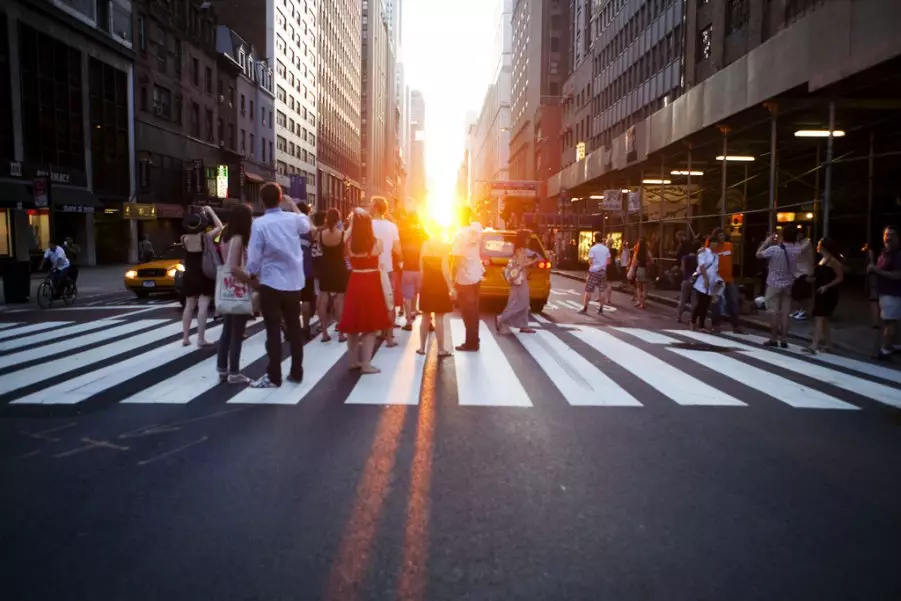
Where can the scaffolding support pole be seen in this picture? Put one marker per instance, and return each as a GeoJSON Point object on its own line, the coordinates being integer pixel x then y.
{"type": "Point", "coordinates": [774, 124]}
{"type": "Point", "coordinates": [660, 213]}
{"type": "Point", "coordinates": [871, 171]}
{"type": "Point", "coordinates": [691, 230]}
{"type": "Point", "coordinates": [725, 132]}
{"type": "Point", "coordinates": [827, 190]}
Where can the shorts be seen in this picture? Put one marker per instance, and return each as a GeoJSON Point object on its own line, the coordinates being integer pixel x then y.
{"type": "Point", "coordinates": [410, 284]}
{"type": "Point", "coordinates": [308, 294]}
{"type": "Point", "coordinates": [778, 300]}
{"type": "Point", "coordinates": [890, 307]}
{"type": "Point", "coordinates": [596, 279]}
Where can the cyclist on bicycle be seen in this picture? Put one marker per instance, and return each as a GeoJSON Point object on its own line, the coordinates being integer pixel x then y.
{"type": "Point", "coordinates": [59, 266]}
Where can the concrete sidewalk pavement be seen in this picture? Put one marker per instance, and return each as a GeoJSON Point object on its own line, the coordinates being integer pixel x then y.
{"type": "Point", "coordinates": [91, 280]}
{"type": "Point", "coordinates": [850, 327]}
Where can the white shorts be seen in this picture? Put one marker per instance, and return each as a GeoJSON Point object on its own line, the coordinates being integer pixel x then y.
{"type": "Point", "coordinates": [890, 307]}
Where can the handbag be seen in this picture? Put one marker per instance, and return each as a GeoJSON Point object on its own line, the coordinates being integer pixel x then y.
{"type": "Point", "coordinates": [513, 273]}
{"type": "Point", "coordinates": [387, 289]}
{"type": "Point", "coordinates": [233, 297]}
{"type": "Point", "coordinates": [212, 260]}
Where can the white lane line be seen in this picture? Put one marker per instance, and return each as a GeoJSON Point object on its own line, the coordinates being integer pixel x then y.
{"type": "Point", "coordinates": [540, 319]}
{"type": "Point", "coordinates": [781, 389]}
{"type": "Point", "coordinates": [572, 304]}
{"type": "Point", "coordinates": [647, 335]}
{"type": "Point", "coordinates": [876, 371]}
{"type": "Point", "coordinates": [45, 371]}
{"type": "Point", "coordinates": [485, 378]}
{"type": "Point", "coordinates": [87, 385]}
{"type": "Point", "coordinates": [31, 328]}
{"type": "Point", "coordinates": [872, 390]}
{"type": "Point", "coordinates": [400, 382]}
{"type": "Point", "coordinates": [187, 385]}
{"type": "Point", "coordinates": [558, 292]}
{"type": "Point", "coordinates": [3, 326]}
{"type": "Point", "coordinates": [550, 306]}
{"type": "Point", "coordinates": [677, 385]}
{"type": "Point", "coordinates": [75, 328]}
{"type": "Point", "coordinates": [581, 383]}
{"type": "Point", "coordinates": [120, 307]}
{"type": "Point", "coordinates": [117, 329]}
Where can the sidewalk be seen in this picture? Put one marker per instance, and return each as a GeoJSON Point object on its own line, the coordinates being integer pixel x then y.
{"type": "Point", "coordinates": [91, 280]}
{"type": "Point", "coordinates": [850, 327]}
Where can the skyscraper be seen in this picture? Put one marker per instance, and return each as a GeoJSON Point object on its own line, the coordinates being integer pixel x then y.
{"type": "Point", "coordinates": [378, 122]}
{"type": "Point", "coordinates": [340, 110]}
{"type": "Point", "coordinates": [417, 170]}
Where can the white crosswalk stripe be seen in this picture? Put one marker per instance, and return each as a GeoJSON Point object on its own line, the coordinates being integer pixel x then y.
{"type": "Point", "coordinates": [128, 361]}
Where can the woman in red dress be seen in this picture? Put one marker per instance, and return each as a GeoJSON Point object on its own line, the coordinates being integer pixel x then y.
{"type": "Point", "coordinates": [364, 312]}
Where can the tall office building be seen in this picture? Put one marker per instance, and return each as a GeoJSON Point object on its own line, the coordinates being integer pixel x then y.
{"type": "Point", "coordinates": [417, 171]}
{"type": "Point", "coordinates": [340, 97]}
{"type": "Point", "coordinates": [286, 32]}
{"type": "Point", "coordinates": [378, 121]}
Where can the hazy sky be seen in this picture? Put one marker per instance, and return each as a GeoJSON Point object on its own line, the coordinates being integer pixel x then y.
{"type": "Point", "coordinates": [448, 54]}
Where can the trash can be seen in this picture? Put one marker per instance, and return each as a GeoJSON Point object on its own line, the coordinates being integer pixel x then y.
{"type": "Point", "coordinates": [16, 281]}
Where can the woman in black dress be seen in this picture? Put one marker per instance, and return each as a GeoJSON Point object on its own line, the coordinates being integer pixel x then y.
{"type": "Point", "coordinates": [435, 296]}
{"type": "Point", "coordinates": [333, 273]}
{"type": "Point", "coordinates": [198, 288]}
{"type": "Point", "coordinates": [828, 274]}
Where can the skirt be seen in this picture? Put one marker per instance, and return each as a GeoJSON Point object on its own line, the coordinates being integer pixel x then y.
{"type": "Point", "coordinates": [364, 305]}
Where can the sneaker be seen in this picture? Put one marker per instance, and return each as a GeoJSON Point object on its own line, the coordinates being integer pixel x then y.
{"type": "Point", "coordinates": [238, 379]}
{"type": "Point", "coordinates": [600, 309]}
{"type": "Point", "coordinates": [264, 382]}
{"type": "Point", "coordinates": [783, 344]}
{"type": "Point", "coordinates": [771, 343]}
{"type": "Point", "coordinates": [583, 311]}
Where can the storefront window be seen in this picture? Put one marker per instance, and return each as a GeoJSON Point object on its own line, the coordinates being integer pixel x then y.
{"type": "Point", "coordinates": [4, 233]}
{"type": "Point", "coordinates": [39, 220]}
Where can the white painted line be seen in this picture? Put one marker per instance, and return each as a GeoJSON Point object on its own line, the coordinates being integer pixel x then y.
{"type": "Point", "coordinates": [400, 382]}
{"type": "Point", "coordinates": [550, 306]}
{"type": "Point", "coordinates": [677, 385]}
{"type": "Point", "coordinates": [540, 319]}
{"type": "Point", "coordinates": [559, 292]}
{"type": "Point", "coordinates": [647, 335]}
{"type": "Point", "coordinates": [609, 309]}
{"type": "Point", "coordinates": [872, 390]}
{"type": "Point", "coordinates": [65, 364]}
{"type": "Point", "coordinates": [32, 328]}
{"type": "Point", "coordinates": [87, 385]}
{"type": "Point", "coordinates": [581, 383]}
{"type": "Point", "coordinates": [3, 326]}
{"type": "Point", "coordinates": [485, 378]}
{"type": "Point", "coordinates": [187, 385]}
{"type": "Point", "coordinates": [572, 304]}
{"type": "Point", "coordinates": [120, 307]}
{"type": "Point", "coordinates": [876, 371]}
{"type": "Point", "coordinates": [75, 328]}
{"type": "Point", "coordinates": [781, 389]}
{"type": "Point", "coordinates": [117, 329]}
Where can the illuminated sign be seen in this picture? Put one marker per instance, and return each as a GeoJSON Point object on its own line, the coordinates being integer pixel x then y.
{"type": "Point", "coordinates": [580, 151]}
{"type": "Point", "coordinates": [222, 181]}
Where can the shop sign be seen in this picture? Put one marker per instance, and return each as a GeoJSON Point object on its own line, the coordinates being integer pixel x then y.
{"type": "Point", "coordinates": [133, 210]}
{"type": "Point", "coordinates": [40, 192]}
{"type": "Point", "coordinates": [74, 209]}
{"type": "Point", "coordinates": [53, 175]}
{"type": "Point", "coordinates": [170, 211]}
{"type": "Point", "coordinates": [222, 181]}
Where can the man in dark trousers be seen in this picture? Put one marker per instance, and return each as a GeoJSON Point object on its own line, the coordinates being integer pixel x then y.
{"type": "Point", "coordinates": [468, 272]}
{"type": "Point", "coordinates": [275, 260]}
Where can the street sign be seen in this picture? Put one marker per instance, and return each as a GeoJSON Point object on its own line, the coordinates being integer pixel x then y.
{"type": "Point", "coordinates": [523, 189]}
{"type": "Point", "coordinates": [40, 192]}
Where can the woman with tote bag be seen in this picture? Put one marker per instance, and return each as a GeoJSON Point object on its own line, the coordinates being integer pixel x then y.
{"type": "Point", "coordinates": [233, 295]}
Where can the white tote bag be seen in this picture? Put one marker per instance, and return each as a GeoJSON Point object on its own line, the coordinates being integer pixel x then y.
{"type": "Point", "coordinates": [387, 289]}
{"type": "Point", "coordinates": [233, 297]}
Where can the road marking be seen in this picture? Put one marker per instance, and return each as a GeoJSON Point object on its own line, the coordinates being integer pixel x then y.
{"type": "Point", "coordinates": [32, 328]}
{"type": "Point", "coordinates": [781, 389]}
{"type": "Point", "coordinates": [647, 335]}
{"type": "Point", "coordinates": [80, 342]}
{"type": "Point", "coordinates": [187, 385]}
{"type": "Point", "coordinates": [400, 382]}
{"type": "Point", "coordinates": [872, 390]}
{"type": "Point", "coordinates": [541, 319]}
{"type": "Point", "coordinates": [670, 381]}
{"type": "Point", "coordinates": [3, 326]}
{"type": "Point", "coordinates": [45, 371]}
{"type": "Point", "coordinates": [572, 304]}
{"type": "Point", "coordinates": [485, 378]}
{"type": "Point", "coordinates": [122, 307]}
{"type": "Point", "coordinates": [173, 451]}
{"type": "Point", "coordinates": [581, 383]}
{"type": "Point", "coordinates": [89, 445]}
{"type": "Point", "coordinates": [74, 328]}
{"type": "Point", "coordinates": [87, 385]}
{"type": "Point", "coordinates": [876, 371]}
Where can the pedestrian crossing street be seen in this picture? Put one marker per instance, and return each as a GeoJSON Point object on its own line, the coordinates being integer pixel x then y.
{"type": "Point", "coordinates": [142, 361]}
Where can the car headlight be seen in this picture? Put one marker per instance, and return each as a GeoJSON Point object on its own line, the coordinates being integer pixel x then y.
{"type": "Point", "coordinates": [178, 267]}
{"type": "Point", "coordinates": [131, 274]}
{"type": "Point", "coordinates": [171, 273]}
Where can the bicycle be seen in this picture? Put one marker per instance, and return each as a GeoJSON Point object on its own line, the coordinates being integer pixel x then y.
{"type": "Point", "coordinates": [45, 296]}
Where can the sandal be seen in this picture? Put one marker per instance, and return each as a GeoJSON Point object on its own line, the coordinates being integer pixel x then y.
{"type": "Point", "coordinates": [369, 369]}
{"type": "Point", "coordinates": [326, 337]}
{"type": "Point", "coordinates": [526, 331]}
{"type": "Point", "coordinates": [420, 351]}
{"type": "Point", "coordinates": [442, 354]}
{"type": "Point", "coordinates": [391, 344]}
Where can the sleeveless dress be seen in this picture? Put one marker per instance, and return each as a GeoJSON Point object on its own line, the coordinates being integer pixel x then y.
{"type": "Point", "coordinates": [364, 302]}
{"type": "Point", "coordinates": [434, 297]}
{"type": "Point", "coordinates": [333, 270]}
{"type": "Point", "coordinates": [195, 281]}
{"type": "Point", "coordinates": [824, 304]}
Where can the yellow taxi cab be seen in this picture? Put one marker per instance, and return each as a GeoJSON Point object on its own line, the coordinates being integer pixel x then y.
{"type": "Point", "coordinates": [157, 275]}
{"type": "Point", "coordinates": [496, 251]}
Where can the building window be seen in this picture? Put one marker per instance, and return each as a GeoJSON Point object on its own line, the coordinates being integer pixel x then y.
{"type": "Point", "coordinates": [243, 111]}
{"type": "Point", "coordinates": [122, 20]}
{"type": "Point", "coordinates": [176, 112]}
{"type": "Point", "coordinates": [143, 98]}
{"type": "Point", "coordinates": [263, 148]}
{"type": "Point", "coordinates": [85, 7]}
{"type": "Point", "coordinates": [705, 42]}
{"type": "Point", "coordinates": [110, 168]}
{"type": "Point", "coordinates": [208, 78]}
{"type": "Point", "coordinates": [162, 102]}
{"type": "Point", "coordinates": [243, 142]}
{"type": "Point", "coordinates": [253, 145]}
{"type": "Point", "coordinates": [195, 71]}
{"type": "Point", "coordinates": [209, 125]}
{"type": "Point", "coordinates": [736, 15]}
{"type": "Point", "coordinates": [251, 109]}
{"type": "Point", "coordinates": [195, 120]}
{"type": "Point", "coordinates": [142, 42]}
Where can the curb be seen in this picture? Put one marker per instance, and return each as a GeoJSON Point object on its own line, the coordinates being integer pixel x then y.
{"type": "Point", "coordinates": [747, 323]}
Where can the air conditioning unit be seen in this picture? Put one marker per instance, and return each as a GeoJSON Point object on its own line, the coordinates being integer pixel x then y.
{"type": "Point", "coordinates": [157, 109]}
{"type": "Point", "coordinates": [221, 98]}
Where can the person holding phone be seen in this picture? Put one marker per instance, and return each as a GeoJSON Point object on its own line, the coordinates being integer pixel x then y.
{"type": "Point", "coordinates": [781, 254]}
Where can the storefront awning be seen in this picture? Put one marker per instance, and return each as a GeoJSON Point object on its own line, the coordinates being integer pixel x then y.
{"type": "Point", "coordinates": [67, 199]}
{"type": "Point", "coordinates": [14, 192]}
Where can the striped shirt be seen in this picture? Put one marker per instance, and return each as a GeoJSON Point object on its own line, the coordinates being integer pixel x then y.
{"type": "Point", "coordinates": [783, 260]}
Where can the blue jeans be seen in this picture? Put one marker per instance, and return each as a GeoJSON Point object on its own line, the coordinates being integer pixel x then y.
{"type": "Point", "coordinates": [57, 277]}
{"type": "Point", "coordinates": [728, 303]}
{"type": "Point", "coordinates": [230, 341]}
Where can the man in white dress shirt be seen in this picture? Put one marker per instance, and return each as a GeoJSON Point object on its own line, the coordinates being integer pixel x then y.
{"type": "Point", "coordinates": [275, 259]}
{"type": "Point", "coordinates": [387, 233]}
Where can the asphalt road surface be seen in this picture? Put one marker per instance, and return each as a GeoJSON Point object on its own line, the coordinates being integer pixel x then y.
{"type": "Point", "coordinates": [606, 457]}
